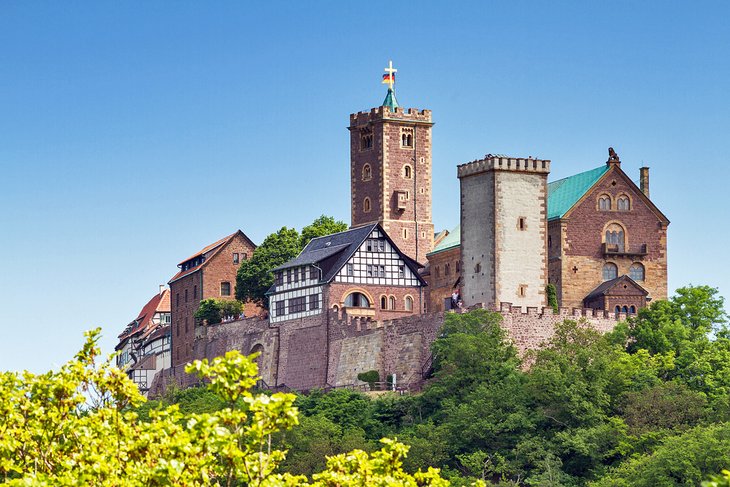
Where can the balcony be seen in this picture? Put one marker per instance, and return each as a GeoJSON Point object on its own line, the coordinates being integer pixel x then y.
{"type": "Point", "coordinates": [617, 250]}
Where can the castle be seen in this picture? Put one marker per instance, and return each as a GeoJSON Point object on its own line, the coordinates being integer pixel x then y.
{"type": "Point", "coordinates": [373, 297]}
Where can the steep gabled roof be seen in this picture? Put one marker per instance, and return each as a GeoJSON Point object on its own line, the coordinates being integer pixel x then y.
{"type": "Point", "coordinates": [211, 249]}
{"type": "Point", "coordinates": [605, 287]}
{"type": "Point", "coordinates": [332, 252]}
{"type": "Point", "coordinates": [453, 239]}
{"type": "Point", "coordinates": [564, 193]}
{"type": "Point", "coordinates": [160, 303]}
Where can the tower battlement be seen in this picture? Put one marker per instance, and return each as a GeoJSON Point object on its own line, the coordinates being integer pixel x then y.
{"type": "Point", "coordinates": [503, 163]}
{"type": "Point", "coordinates": [410, 115]}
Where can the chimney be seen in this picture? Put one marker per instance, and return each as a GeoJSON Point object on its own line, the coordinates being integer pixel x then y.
{"type": "Point", "coordinates": [644, 180]}
{"type": "Point", "coordinates": [162, 286]}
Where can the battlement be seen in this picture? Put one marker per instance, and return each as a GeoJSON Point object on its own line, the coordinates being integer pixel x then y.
{"type": "Point", "coordinates": [503, 163]}
{"type": "Point", "coordinates": [409, 115]}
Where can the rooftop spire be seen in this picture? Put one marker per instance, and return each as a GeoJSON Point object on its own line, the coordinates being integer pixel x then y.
{"type": "Point", "coordinates": [389, 79]}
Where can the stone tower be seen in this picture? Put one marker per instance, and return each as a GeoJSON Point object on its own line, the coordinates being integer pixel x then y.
{"type": "Point", "coordinates": [503, 231]}
{"type": "Point", "coordinates": [390, 174]}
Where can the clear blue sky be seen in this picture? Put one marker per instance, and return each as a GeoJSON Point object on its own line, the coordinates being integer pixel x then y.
{"type": "Point", "coordinates": [134, 133]}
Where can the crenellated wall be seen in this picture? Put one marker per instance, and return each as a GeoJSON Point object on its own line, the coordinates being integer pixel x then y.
{"type": "Point", "coordinates": [331, 349]}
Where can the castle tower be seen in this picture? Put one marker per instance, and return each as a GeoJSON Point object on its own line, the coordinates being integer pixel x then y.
{"type": "Point", "coordinates": [503, 231]}
{"type": "Point", "coordinates": [390, 172]}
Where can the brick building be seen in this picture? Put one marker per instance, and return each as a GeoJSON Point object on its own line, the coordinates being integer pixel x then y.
{"type": "Point", "coordinates": [443, 271]}
{"type": "Point", "coordinates": [601, 226]}
{"type": "Point", "coordinates": [209, 273]}
{"type": "Point", "coordinates": [390, 174]}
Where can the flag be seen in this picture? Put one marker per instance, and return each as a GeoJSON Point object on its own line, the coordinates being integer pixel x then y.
{"type": "Point", "coordinates": [387, 78]}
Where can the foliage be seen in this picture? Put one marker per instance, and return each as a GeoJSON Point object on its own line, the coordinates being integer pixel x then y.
{"type": "Point", "coordinates": [214, 310]}
{"type": "Point", "coordinates": [722, 480]}
{"type": "Point", "coordinates": [324, 225]}
{"type": "Point", "coordinates": [76, 427]}
{"type": "Point", "coordinates": [371, 377]}
{"type": "Point", "coordinates": [552, 297]}
{"type": "Point", "coordinates": [254, 276]}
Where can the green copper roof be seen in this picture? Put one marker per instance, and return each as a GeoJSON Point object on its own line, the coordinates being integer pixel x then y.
{"type": "Point", "coordinates": [390, 100]}
{"type": "Point", "coordinates": [453, 239]}
{"type": "Point", "coordinates": [564, 193]}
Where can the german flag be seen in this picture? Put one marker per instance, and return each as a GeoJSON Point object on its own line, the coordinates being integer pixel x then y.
{"type": "Point", "coordinates": [387, 78]}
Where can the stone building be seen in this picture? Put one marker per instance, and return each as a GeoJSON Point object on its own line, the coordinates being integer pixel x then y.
{"type": "Point", "coordinates": [390, 174]}
{"type": "Point", "coordinates": [443, 271]}
{"type": "Point", "coordinates": [209, 273]}
{"type": "Point", "coordinates": [601, 226]}
{"type": "Point", "coordinates": [144, 345]}
{"type": "Point", "coordinates": [503, 201]}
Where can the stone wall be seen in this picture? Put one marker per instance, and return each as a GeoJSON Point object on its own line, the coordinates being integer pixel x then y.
{"type": "Point", "coordinates": [331, 349]}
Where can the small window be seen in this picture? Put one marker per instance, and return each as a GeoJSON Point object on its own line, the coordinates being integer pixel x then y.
{"type": "Point", "coordinates": [604, 202]}
{"type": "Point", "coordinates": [366, 205]}
{"type": "Point", "coordinates": [522, 223]}
{"type": "Point", "coordinates": [636, 271]}
{"type": "Point", "coordinates": [610, 271]}
{"type": "Point", "coordinates": [279, 278]}
{"type": "Point", "coordinates": [405, 234]}
{"type": "Point", "coordinates": [279, 308]}
{"type": "Point", "coordinates": [522, 290]}
{"type": "Point", "coordinates": [458, 266]}
{"type": "Point", "coordinates": [236, 258]}
{"type": "Point", "coordinates": [406, 138]}
{"type": "Point", "coordinates": [625, 310]}
{"type": "Point", "coordinates": [478, 268]}
{"type": "Point", "coordinates": [225, 289]}
{"type": "Point", "coordinates": [366, 140]}
{"type": "Point", "coordinates": [186, 295]}
{"type": "Point", "coordinates": [447, 269]}
{"type": "Point", "coordinates": [391, 302]}
{"type": "Point", "coordinates": [617, 310]}
{"type": "Point", "coordinates": [350, 269]}
{"type": "Point", "coordinates": [367, 172]}
{"type": "Point", "coordinates": [296, 274]}
{"type": "Point", "coordinates": [383, 302]}
{"type": "Point", "coordinates": [195, 292]}
{"type": "Point", "coordinates": [369, 270]}
{"type": "Point", "coordinates": [409, 303]}
{"type": "Point", "coordinates": [623, 203]}
{"type": "Point", "coordinates": [381, 245]}
{"type": "Point", "coordinates": [401, 271]}
{"type": "Point", "coordinates": [381, 271]}
{"type": "Point", "coordinates": [314, 301]}
{"type": "Point", "coordinates": [632, 310]}
{"type": "Point", "coordinates": [407, 172]}
{"type": "Point", "coordinates": [288, 276]}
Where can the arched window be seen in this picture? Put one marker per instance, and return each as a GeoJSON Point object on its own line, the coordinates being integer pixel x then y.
{"type": "Point", "coordinates": [407, 171]}
{"type": "Point", "coordinates": [391, 302]}
{"type": "Point", "coordinates": [604, 202]}
{"type": "Point", "coordinates": [447, 269]}
{"type": "Point", "coordinates": [409, 303]}
{"type": "Point", "coordinates": [366, 205]}
{"type": "Point", "coordinates": [616, 311]}
{"type": "Point", "coordinates": [625, 310]}
{"type": "Point", "coordinates": [632, 310]}
{"type": "Point", "coordinates": [357, 300]}
{"type": "Point", "coordinates": [367, 172]}
{"type": "Point", "coordinates": [610, 271]}
{"type": "Point", "coordinates": [615, 238]}
{"type": "Point", "coordinates": [636, 271]}
{"type": "Point", "coordinates": [407, 138]}
{"type": "Point", "coordinates": [383, 302]}
{"type": "Point", "coordinates": [623, 203]}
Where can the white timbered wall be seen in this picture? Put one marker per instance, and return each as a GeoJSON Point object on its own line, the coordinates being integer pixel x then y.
{"type": "Point", "coordinates": [286, 297]}
{"type": "Point", "coordinates": [377, 262]}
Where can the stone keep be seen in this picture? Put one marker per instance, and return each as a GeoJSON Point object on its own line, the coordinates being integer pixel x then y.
{"type": "Point", "coordinates": [390, 175]}
{"type": "Point", "coordinates": [503, 231]}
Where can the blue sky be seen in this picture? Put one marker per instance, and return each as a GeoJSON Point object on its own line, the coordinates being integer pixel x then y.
{"type": "Point", "coordinates": [134, 133]}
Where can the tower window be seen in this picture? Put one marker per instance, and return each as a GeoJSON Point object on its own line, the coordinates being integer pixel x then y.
{"type": "Point", "coordinates": [366, 140]}
{"type": "Point", "coordinates": [366, 205]}
{"type": "Point", "coordinates": [522, 223]}
{"type": "Point", "coordinates": [406, 137]}
{"type": "Point", "coordinates": [522, 291]}
{"type": "Point", "coordinates": [367, 173]}
{"type": "Point", "coordinates": [407, 172]}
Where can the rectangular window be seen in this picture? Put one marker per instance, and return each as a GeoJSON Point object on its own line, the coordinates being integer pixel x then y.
{"type": "Point", "coordinates": [186, 295]}
{"type": "Point", "coordinates": [401, 271]}
{"type": "Point", "coordinates": [369, 269]}
{"type": "Point", "coordinates": [381, 245]}
{"type": "Point", "coordinates": [236, 259]}
{"type": "Point", "coordinates": [350, 269]}
{"type": "Point", "coordinates": [280, 308]}
{"type": "Point", "coordinates": [314, 301]}
{"type": "Point", "coordinates": [225, 289]}
{"type": "Point", "coordinates": [279, 280]}
{"type": "Point", "coordinates": [296, 274]}
{"type": "Point", "coordinates": [288, 276]}
{"type": "Point", "coordinates": [195, 292]}
{"type": "Point", "coordinates": [297, 305]}
{"type": "Point", "coordinates": [314, 273]}
{"type": "Point", "coordinates": [369, 245]}
{"type": "Point", "coordinates": [381, 271]}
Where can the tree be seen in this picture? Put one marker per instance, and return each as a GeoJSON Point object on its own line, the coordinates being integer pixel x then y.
{"type": "Point", "coordinates": [214, 310]}
{"type": "Point", "coordinates": [75, 427]}
{"type": "Point", "coordinates": [552, 297]}
{"type": "Point", "coordinates": [324, 225]}
{"type": "Point", "coordinates": [254, 276]}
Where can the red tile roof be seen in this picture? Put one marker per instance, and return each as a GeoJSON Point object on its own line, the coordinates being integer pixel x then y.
{"type": "Point", "coordinates": [214, 247]}
{"type": "Point", "coordinates": [159, 303]}
{"type": "Point", "coordinates": [209, 248]}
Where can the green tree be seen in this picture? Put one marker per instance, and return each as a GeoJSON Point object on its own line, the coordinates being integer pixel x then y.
{"type": "Point", "coordinates": [324, 225]}
{"type": "Point", "coordinates": [254, 276]}
{"type": "Point", "coordinates": [552, 297]}
{"type": "Point", "coordinates": [213, 310]}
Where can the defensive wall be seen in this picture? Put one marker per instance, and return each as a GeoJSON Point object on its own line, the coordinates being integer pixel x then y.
{"type": "Point", "coordinates": [331, 349]}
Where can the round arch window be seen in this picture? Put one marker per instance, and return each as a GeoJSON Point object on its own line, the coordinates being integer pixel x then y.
{"type": "Point", "coordinates": [357, 300]}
